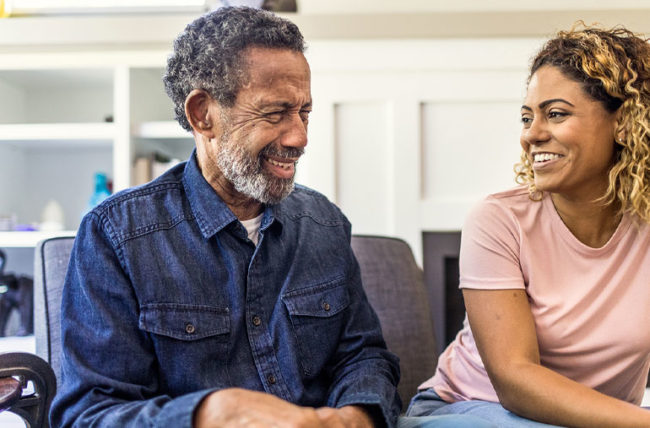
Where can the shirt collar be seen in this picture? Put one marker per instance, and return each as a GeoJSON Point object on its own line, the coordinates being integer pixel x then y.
{"type": "Point", "coordinates": [210, 211]}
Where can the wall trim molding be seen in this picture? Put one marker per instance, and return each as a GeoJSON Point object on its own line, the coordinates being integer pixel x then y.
{"type": "Point", "coordinates": [157, 31]}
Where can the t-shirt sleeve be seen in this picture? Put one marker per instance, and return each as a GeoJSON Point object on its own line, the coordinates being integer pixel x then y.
{"type": "Point", "coordinates": [489, 250]}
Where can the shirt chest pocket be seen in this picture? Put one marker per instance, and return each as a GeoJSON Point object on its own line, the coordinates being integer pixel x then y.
{"type": "Point", "coordinates": [191, 343]}
{"type": "Point", "coordinates": [185, 322]}
{"type": "Point", "coordinates": [318, 317]}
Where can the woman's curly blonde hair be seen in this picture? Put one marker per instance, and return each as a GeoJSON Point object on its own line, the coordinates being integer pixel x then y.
{"type": "Point", "coordinates": [613, 66]}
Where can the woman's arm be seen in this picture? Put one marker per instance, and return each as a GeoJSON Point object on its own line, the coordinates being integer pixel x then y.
{"type": "Point", "coordinates": [504, 331]}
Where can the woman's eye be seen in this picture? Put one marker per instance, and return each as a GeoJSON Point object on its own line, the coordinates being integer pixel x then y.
{"type": "Point", "coordinates": [556, 114]}
{"type": "Point", "coordinates": [526, 120]}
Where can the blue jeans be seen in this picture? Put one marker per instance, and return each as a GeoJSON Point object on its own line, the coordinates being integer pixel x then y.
{"type": "Point", "coordinates": [427, 403]}
{"type": "Point", "coordinates": [443, 421]}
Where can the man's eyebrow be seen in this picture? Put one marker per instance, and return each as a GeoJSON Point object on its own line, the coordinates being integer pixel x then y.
{"type": "Point", "coordinates": [286, 105]}
{"type": "Point", "coordinates": [543, 104]}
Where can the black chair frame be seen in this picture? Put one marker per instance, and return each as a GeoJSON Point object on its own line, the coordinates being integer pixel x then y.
{"type": "Point", "coordinates": [29, 368]}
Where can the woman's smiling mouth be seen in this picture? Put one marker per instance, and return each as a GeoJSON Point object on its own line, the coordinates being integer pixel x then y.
{"type": "Point", "coordinates": [543, 159]}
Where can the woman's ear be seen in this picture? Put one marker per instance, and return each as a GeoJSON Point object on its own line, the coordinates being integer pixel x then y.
{"type": "Point", "coordinates": [197, 110]}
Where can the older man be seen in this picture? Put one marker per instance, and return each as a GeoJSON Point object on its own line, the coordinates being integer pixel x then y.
{"type": "Point", "coordinates": [220, 294]}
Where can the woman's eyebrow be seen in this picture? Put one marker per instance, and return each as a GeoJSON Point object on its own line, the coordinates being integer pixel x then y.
{"type": "Point", "coordinates": [554, 100]}
{"type": "Point", "coordinates": [547, 102]}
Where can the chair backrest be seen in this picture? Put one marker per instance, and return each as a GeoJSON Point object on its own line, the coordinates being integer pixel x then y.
{"type": "Point", "coordinates": [50, 266]}
{"type": "Point", "coordinates": [395, 288]}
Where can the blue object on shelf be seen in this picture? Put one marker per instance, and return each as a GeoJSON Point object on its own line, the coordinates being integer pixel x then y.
{"type": "Point", "coordinates": [101, 191]}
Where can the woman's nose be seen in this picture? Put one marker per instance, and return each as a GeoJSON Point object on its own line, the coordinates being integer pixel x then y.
{"type": "Point", "coordinates": [536, 133]}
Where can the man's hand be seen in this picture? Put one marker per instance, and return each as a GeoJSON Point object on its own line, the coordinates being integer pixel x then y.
{"type": "Point", "coordinates": [344, 417]}
{"type": "Point", "coordinates": [235, 407]}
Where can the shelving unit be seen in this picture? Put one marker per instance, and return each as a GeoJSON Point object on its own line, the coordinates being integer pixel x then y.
{"type": "Point", "coordinates": [62, 119]}
{"type": "Point", "coordinates": [164, 129]}
{"type": "Point", "coordinates": [44, 133]}
{"type": "Point", "coordinates": [165, 137]}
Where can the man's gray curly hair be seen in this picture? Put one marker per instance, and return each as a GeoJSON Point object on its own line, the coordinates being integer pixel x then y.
{"type": "Point", "coordinates": [208, 54]}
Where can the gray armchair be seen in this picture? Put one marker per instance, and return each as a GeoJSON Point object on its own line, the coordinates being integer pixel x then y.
{"type": "Point", "coordinates": [395, 288]}
{"type": "Point", "coordinates": [50, 266]}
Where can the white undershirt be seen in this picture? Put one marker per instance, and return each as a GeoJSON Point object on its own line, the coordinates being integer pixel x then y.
{"type": "Point", "coordinates": [253, 227]}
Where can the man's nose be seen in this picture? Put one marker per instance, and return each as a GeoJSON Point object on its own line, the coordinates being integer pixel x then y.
{"type": "Point", "coordinates": [295, 133]}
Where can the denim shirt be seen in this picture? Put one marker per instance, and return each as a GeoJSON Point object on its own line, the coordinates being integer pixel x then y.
{"type": "Point", "coordinates": [167, 300]}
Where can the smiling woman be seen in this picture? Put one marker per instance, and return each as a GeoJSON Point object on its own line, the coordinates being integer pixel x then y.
{"type": "Point", "coordinates": [555, 273]}
{"type": "Point", "coordinates": [567, 137]}
{"type": "Point", "coordinates": [611, 69]}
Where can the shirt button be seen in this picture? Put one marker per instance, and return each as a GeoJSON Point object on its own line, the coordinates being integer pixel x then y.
{"type": "Point", "coordinates": [189, 328]}
{"type": "Point", "coordinates": [256, 321]}
{"type": "Point", "coordinates": [271, 379]}
{"type": "Point", "coordinates": [326, 306]}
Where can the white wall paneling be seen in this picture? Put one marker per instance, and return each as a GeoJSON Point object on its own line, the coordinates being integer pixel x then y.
{"type": "Point", "coordinates": [407, 135]}
{"type": "Point", "coordinates": [362, 144]}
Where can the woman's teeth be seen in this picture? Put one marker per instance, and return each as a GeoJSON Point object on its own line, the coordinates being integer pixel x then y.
{"type": "Point", "coordinates": [544, 157]}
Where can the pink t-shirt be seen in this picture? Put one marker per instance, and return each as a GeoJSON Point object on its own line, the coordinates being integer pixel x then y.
{"type": "Point", "coordinates": [591, 306]}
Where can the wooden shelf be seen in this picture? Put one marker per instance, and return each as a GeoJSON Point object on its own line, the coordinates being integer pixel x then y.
{"type": "Point", "coordinates": [75, 133]}
{"type": "Point", "coordinates": [29, 239]}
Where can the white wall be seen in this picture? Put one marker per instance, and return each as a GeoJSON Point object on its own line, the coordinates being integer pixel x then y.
{"type": "Point", "coordinates": [406, 135]}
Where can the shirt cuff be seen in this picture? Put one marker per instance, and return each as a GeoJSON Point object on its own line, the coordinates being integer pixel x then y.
{"type": "Point", "coordinates": [180, 411]}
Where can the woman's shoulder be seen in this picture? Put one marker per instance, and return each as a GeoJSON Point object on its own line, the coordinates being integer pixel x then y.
{"type": "Point", "coordinates": [509, 208]}
{"type": "Point", "coordinates": [513, 200]}
{"type": "Point", "coordinates": [515, 196]}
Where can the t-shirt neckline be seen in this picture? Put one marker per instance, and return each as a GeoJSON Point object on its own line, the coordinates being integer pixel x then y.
{"type": "Point", "coordinates": [569, 237]}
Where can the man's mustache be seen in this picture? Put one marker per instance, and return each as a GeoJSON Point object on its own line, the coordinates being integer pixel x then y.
{"type": "Point", "coordinates": [282, 152]}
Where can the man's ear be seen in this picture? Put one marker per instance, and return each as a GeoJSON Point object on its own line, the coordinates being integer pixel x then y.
{"type": "Point", "coordinates": [200, 112]}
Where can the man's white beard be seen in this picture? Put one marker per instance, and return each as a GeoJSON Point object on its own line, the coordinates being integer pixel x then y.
{"type": "Point", "coordinates": [247, 174]}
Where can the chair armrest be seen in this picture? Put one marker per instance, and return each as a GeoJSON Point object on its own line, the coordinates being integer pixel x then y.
{"type": "Point", "coordinates": [25, 368]}
{"type": "Point", "coordinates": [10, 392]}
